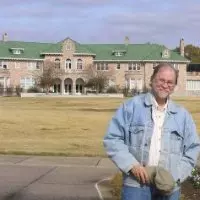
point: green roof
(32, 50)
(140, 52)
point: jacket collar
(172, 107)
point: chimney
(5, 37)
(126, 41)
(182, 47)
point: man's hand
(140, 174)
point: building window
(118, 65)
(17, 65)
(136, 84)
(31, 65)
(119, 53)
(102, 66)
(57, 63)
(27, 82)
(166, 53)
(79, 64)
(105, 66)
(68, 64)
(176, 66)
(193, 68)
(193, 85)
(98, 66)
(38, 65)
(3, 65)
(2, 80)
(138, 67)
(16, 51)
(129, 66)
(134, 66)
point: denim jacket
(129, 133)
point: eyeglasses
(162, 81)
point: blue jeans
(146, 193)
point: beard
(162, 94)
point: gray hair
(164, 65)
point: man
(150, 130)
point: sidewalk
(53, 178)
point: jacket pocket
(136, 134)
(176, 141)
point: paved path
(52, 178)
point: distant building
(127, 64)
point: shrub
(19, 90)
(10, 91)
(1, 89)
(195, 178)
(33, 90)
(112, 89)
(125, 91)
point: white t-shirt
(158, 115)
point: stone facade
(75, 67)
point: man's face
(164, 82)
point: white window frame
(193, 85)
(166, 53)
(16, 51)
(118, 53)
(134, 67)
(57, 62)
(31, 66)
(68, 64)
(175, 66)
(102, 66)
(17, 65)
(79, 64)
(27, 82)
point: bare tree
(49, 74)
(98, 79)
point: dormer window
(166, 53)
(118, 52)
(17, 51)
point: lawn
(62, 126)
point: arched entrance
(57, 86)
(79, 86)
(68, 85)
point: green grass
(61, 126)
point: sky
(102, 21)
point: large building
(126, 64)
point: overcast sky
(102, 21)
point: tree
(47, 77)
(97, 79)
(191, 52)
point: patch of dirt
(189, 192)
